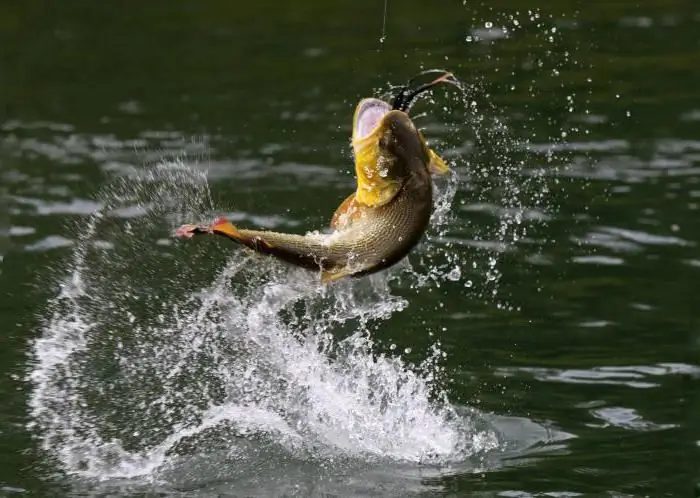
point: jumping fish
(382, 221)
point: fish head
(379, 173)
(387, 145)
(388, 149)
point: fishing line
(383, 37)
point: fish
(378, 224)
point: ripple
(673, 368)
(677, 146)
(598, 260)
(20, 231)
(646, 238)
(595, 324)
(500, 212)
(608, 241)
(609, 146)
(15, 124)
(637, 22)
(525, 494)
(539, 259)
(130, 107)
(594, 376)
(589, 118)
(48, 243)
(625, 240)
(160, 135)
(626, 418)
(692, 115)
(12, 489)
(488, 33)
(675, 158)
(64, 146)
(75, 206)
(628, 376)
(254, 169)
(486, 245)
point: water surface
(542, 341)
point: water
(135, 373)
(542, 340)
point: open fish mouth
(369, 112)
(368, 117)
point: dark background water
(594, 326)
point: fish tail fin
(222, 226)
(252, 239)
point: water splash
(509, 164)
(141, 364)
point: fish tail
(295, 249)
(249, 238)
(222, 226)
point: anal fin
(335, 274)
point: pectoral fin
(437, 165)
(328, 276)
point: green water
(562, 288)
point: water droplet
(455, 274)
